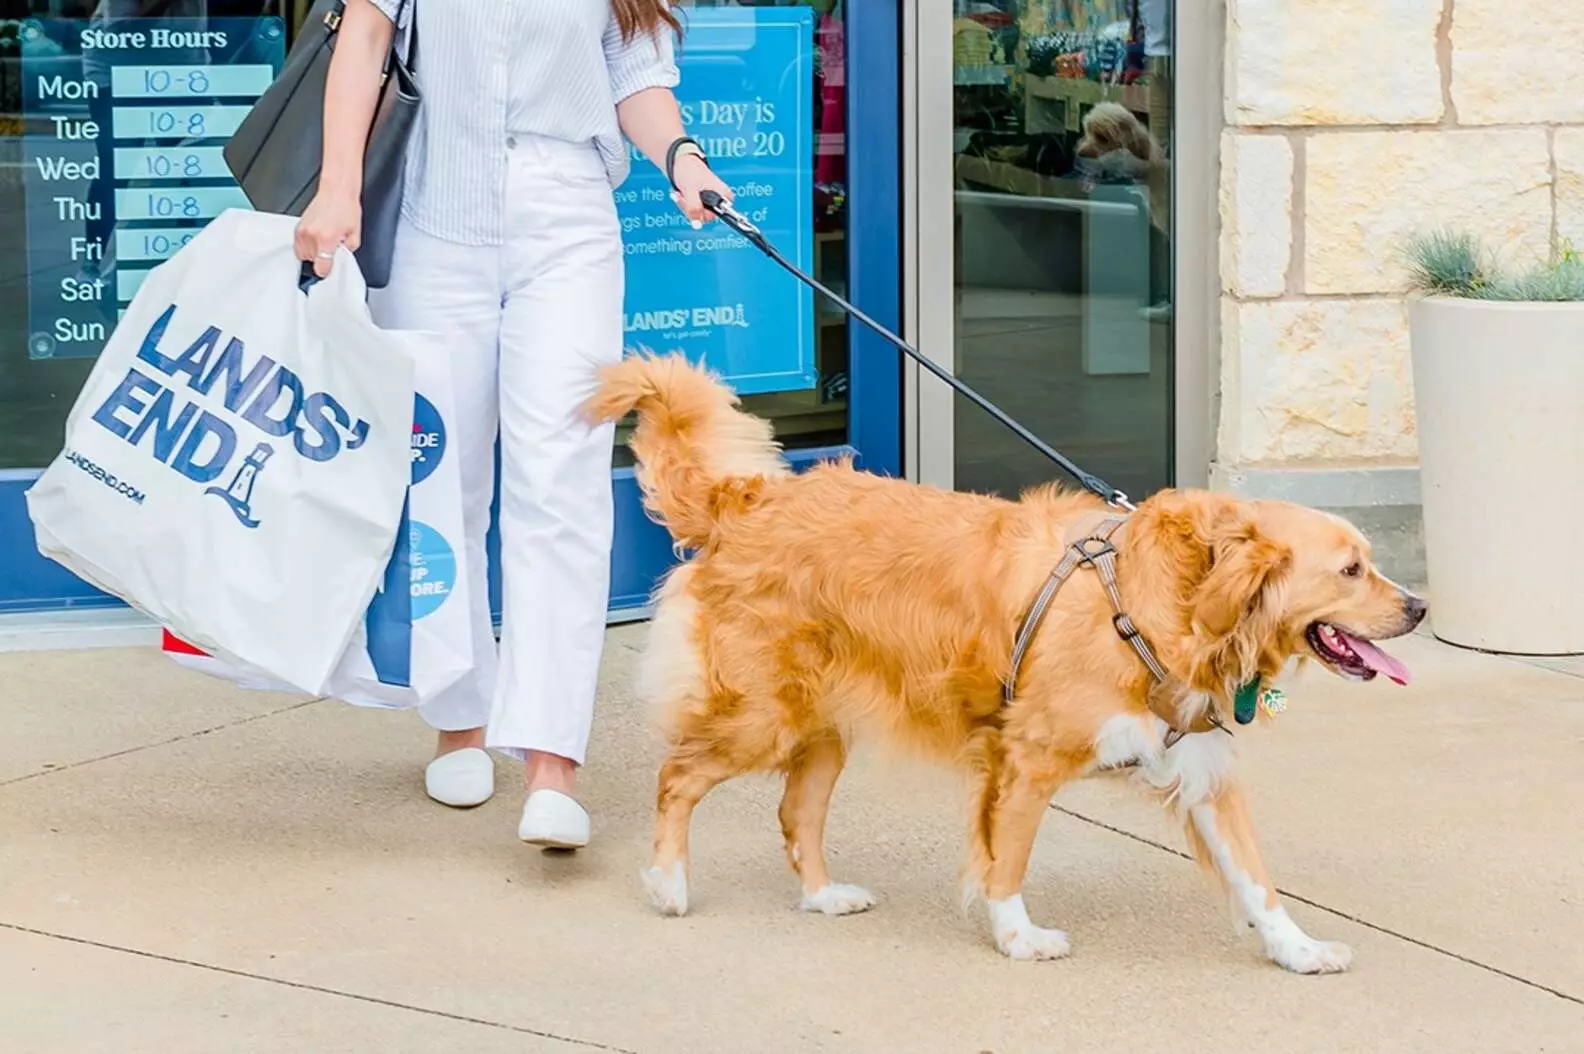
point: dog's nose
(1414, 609)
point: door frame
(931, 309)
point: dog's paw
(838, 899)
(668, 890)
(1311, 956)
(1018, 937)
(1032, 944)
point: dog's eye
(1353, 570)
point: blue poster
(747, 97)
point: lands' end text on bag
(150, 405)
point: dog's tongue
(1376, 659)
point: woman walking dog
(509, 245)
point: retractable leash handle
(745, 227)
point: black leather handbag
(276, 152)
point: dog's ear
(1176, 538)
(1237, 607)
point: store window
(764, 88)
(112, 117)
(110, 159)
(1062, 160)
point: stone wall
(1351, 124)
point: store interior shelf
(1133, 96)
(1071, 97)
(992, 74)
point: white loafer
(552, 820)
(461, 779)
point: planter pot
(1499, 397)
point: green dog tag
(1246, 702)
(1252, 696)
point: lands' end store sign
(113, 128)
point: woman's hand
(693, 177)
(331, 220)
(335, 216)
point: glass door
(1046, 135)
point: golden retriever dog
(821, 608)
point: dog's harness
(1095, 551)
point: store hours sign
(746, 96)
(126, 120)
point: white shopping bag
(416, 639)
(236, 464)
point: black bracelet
(670, 158)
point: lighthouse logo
(239, 492)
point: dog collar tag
(1273, 700)
(1255, 695)
(1246, 702)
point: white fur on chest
(1128, 738)
(1189, 772)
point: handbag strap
(410, 38)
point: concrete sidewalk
(186, 867)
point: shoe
(461, 779)
(552, 820)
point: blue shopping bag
(389, 621)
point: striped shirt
(491, 68)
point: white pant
(530, 321)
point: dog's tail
(691, 438)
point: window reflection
(1063, 177)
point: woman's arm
(352, 87)
(643, 72)
(653, 122)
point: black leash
(745, 227)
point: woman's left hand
(693, 177)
